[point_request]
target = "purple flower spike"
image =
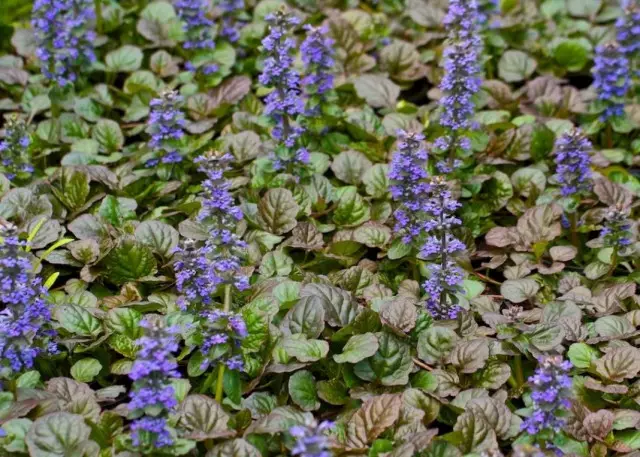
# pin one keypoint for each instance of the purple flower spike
(311, 439)
(64, 38)
(461, 81)
(166, 126)
(152, 394)
(14, 157)
(317, 57)
(25, 313)
(611, 79)
(573, 162)
(197, 26)
(201, 270)
(551, 393)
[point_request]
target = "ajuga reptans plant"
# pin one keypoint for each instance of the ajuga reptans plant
(285, 101)
(311, 439)
(166, 127)
(64, 38)
(461, 81)
(14, 154)
(152, 396)
(25, 314)
(611, 74)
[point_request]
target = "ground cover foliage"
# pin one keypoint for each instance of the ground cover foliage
(241, 228)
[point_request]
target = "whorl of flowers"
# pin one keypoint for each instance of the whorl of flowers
(445, 276)
(285, 101)
(152, 395)
(230, 23)
(573, 162)
(223, 332)
(628, 31)
(461, 81)
(166, 126)
(64, 35)
(13, 150)
(200, 271)
(317, 56)
(611, 79)
(616, 231)
(408, 187)
(551, 393)
(25, 312)
(311, 439)
(197, 26)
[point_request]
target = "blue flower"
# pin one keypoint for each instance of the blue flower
(14, 150)
(197, 26)
(311, 439)
(230, 22)
(408, 187)
(461, 81)
(222, 328)
(628, 31)
(285, 101)
(317, 56)
(152, 395)
(64, 37)
(440, 245)
(25, 315)
(166, 126)
(200, 271)
(551, 393)
(616, 232)
(611, 79)
(573, 162)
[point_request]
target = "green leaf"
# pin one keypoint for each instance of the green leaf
(583, 8)
(73, 189)
(352, 210)
(108, 134)
(276, 263)
(85, 370)
(519, 290)
(161, 237)
(572, 54)
(377, 90)
(515, 66)
(477, 434)
(305, 350)
(78, 320)
(203, 418)
(359, 347)
(117, 209)
(333, 392)
(125, 59)
(60, 435)
(277, 211)
(350, 166)
(129, 261)
(582, 355)
(435, 343)
(306, 317)
(125, 321)
(234, 448)
(339, 308)
(302, 388)
(372, 234)
(376, 180)
(392, 363)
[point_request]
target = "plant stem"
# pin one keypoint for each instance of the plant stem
(574, 234)
(518, 369)
(98, 4)
(219, 384)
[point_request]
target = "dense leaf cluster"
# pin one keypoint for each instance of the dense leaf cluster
(261, 228)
